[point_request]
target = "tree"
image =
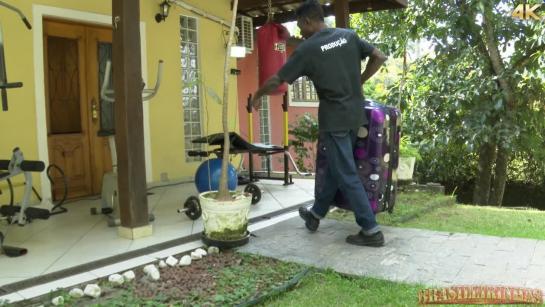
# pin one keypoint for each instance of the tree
(224, 193)
(480, 91)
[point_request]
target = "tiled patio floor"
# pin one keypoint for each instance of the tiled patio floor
(76, 237)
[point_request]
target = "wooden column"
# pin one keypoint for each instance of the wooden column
(342, 14)
(127, 73)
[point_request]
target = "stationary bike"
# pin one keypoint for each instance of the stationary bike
(109, 193)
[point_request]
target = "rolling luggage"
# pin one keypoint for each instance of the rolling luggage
(376, 153)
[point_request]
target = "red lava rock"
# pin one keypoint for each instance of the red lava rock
(177, 283)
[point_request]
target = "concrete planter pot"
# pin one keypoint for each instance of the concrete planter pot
(225, 220)
(405, 169)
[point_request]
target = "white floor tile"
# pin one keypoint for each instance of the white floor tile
(58, 284)
(122, 266)
(11, 298)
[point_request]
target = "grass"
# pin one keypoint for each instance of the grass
(435, 212)
(328, 288)
(484, 220)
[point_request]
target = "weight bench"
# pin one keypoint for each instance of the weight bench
(238, 145)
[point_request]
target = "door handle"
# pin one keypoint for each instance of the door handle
(94, 109)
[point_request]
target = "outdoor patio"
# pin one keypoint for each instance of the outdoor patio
(77, 237)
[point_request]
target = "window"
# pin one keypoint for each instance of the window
(265, 129)
(191, 92)
(303, 93)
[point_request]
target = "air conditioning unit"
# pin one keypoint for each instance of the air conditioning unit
(245, 37)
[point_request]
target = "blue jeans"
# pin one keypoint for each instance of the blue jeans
(341, 174)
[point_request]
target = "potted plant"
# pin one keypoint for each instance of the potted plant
(225, 213)
(408, 155)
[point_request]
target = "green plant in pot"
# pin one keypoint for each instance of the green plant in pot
(225, 213)
(408, 155)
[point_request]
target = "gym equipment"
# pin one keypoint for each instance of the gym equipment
(4, 84)
(271, 47)
(377, 156)
(238, 145)
(109, 193)
(11, 251)
(207, 177)
(23, 214)
(267, 150)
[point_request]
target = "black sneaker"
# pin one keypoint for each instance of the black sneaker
(375, 240)
(311, 222)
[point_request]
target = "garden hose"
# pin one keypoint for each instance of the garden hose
(278, 290)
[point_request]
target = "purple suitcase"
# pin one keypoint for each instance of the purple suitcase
(377, 156)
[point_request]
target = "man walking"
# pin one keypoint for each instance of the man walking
(332, 58)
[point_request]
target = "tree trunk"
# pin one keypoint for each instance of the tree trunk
(487, 156)
(500, 177)
(496, 60)
(223, 193)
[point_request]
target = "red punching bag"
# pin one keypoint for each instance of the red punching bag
(271, 46)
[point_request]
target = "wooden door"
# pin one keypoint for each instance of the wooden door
(73, 106)
(99, 51)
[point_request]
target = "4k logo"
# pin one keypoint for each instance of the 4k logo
(527, 11)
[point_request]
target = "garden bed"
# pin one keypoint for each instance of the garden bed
(228, 278)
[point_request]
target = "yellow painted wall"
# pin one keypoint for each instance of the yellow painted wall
(18, 126)
(166, 109)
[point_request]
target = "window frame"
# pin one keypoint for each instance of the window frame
(191, 136)
(302, 103)
(265, 100)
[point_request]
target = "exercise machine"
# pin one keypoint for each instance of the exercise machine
(109, 193)
(238, 145)
(264, 150)
(23, 213)
(4, 84)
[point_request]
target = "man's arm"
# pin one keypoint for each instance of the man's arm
(270, 85)
(376, 59)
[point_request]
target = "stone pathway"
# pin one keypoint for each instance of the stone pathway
(410, 255)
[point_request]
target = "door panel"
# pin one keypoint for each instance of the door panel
(68, 136)
(64, 85)
(99, 50)
(69, 152)
(73, 53)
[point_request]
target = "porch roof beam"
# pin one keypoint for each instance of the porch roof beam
(329, 10)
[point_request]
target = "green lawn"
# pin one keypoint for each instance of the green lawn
(332, 289)
(428, 211)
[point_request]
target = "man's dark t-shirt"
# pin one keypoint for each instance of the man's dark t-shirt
(332, 59)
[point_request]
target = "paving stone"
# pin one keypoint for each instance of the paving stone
(538, 257)
(516, 244)
(498, 259)
(410, 255)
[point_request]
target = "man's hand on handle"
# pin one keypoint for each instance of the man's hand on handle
(256, 102)
(273, 83)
